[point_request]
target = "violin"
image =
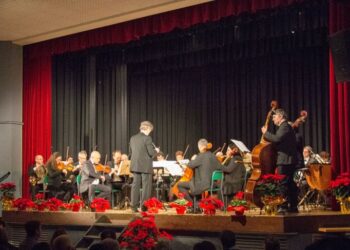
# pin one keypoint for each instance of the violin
(103, 168)
(65, 165)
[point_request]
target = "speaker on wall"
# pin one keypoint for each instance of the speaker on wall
(340, 46)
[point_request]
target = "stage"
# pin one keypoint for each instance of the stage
(294, 230)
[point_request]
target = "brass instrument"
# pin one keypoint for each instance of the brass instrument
(40, 173)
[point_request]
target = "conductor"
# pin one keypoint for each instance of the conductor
(142, 150)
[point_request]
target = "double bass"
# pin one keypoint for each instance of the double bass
(264, 158)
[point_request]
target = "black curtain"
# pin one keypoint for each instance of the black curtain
(215, 80)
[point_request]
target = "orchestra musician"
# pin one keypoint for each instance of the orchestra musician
(92, 180)
(116, 180)
(142, 151)
(82, 156)
(307, 155)
(285, 141)
(55, 177)
(204, 164)
(325, 157)
(234, 172)
(36, 175)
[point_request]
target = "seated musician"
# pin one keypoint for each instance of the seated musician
(91, 180)
(55, 177)
(125, 172)
(308, 158)
(203, 165)
(82, 156)
(36, 174)
(325, 157)
(117, 180)
(234, 172)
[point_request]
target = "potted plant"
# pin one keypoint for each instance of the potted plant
(40, 202)
(210, 204)
(7, 191)
(271, 191)
(75, 204)
(180, 204)
(23, 204)
(341, 190)
(238, 204)
(100, 204)
(142, 233)
(54, 204)
(153, 205)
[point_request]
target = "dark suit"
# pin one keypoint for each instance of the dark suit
(142, 151)
(203, 166)
(88, 175)
(233, 176)
(286, 145)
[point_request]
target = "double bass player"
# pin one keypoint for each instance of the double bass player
(285, 142)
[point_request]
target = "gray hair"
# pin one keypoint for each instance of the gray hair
(282, 113)
(146, 125)
(309, 148)
(202, 143)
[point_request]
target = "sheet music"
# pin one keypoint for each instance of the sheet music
(173, 168)
(241, 146)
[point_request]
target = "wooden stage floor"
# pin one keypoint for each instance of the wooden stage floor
(252, 222)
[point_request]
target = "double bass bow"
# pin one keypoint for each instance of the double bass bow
(264, 158)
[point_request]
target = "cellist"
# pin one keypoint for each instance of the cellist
(203, 165)
(285, 142)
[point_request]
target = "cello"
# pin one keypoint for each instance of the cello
(264, 158)
(187, 176)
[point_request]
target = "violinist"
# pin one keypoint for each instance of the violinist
(55, 177)
(203, 165)
(90, 179)
(37, 174)
(82, 156)
(285, 141)
(234, 172)
(116, 180)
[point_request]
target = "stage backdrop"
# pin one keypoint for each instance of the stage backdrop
(214, 80)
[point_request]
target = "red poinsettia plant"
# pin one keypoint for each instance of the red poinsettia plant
(142, 233)
(54, 204)
(210, 204)
(270, 185)
(76, 203)
(341, 186)
(153, 205)
(23, 204)
(100, 204)
(40, 202)
(180, 204)
(238, 204)
(7, 189)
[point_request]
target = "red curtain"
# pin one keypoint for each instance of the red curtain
(339, 19)
(37, 61)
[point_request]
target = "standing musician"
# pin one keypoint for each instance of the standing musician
(234, 172)
(204, 164)
(142, 152)
(55, 176)
(36, 174)
(91, 179)
(285, 141)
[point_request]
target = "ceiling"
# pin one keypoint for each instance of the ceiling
(30, 21)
